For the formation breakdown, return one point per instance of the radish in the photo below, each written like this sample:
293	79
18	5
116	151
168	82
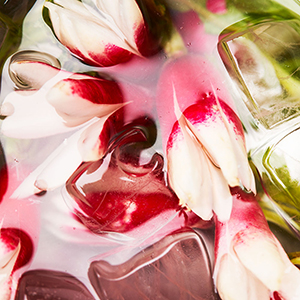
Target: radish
66	102
104	35
16	249
250	263
205	149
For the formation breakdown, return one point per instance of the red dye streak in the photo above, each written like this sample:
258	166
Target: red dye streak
121	211
276	296
98	91
232	117
111	56
205	111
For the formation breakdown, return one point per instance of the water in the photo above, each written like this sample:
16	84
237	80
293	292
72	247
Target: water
119	210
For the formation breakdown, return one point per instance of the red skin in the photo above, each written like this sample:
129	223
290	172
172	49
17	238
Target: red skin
12	237
276	296
112	55
146	44
96	90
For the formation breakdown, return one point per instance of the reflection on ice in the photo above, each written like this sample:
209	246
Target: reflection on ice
263	61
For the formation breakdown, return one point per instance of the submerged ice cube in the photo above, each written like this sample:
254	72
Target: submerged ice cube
263	60
122	196
262	57
176	267
278	164
50	284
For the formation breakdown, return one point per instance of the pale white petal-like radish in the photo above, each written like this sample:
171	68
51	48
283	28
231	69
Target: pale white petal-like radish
62	104
258	252
184	157
16	249
222	200
66	102
205	120
74	6
249	258
235	282
202	131
30	116
80	98
126	15
103	37
87	37
290	287
192	95
193	175
238	141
